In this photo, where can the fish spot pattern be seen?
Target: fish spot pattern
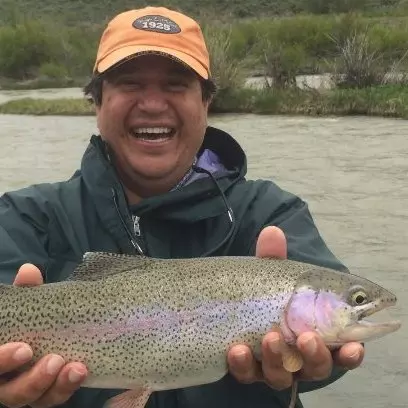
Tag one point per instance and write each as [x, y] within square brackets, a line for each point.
[161, 323]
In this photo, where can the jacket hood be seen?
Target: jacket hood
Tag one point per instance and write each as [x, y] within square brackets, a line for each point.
[199, 198]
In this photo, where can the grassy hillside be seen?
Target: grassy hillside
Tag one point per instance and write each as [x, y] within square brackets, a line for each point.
[96, 11]
[363, 44]
[75, 11]
[278, 47]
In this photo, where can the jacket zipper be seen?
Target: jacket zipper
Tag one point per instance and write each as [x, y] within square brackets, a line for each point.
[132, 237]
[136, 226]
[138, 233]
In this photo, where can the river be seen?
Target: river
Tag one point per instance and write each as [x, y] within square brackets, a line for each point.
[353, 173]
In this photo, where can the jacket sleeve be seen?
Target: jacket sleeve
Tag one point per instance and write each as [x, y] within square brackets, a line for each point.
[23, 236]
[304, 241]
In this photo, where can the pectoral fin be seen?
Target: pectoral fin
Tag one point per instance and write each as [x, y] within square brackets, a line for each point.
[130, 399]
[291, 358]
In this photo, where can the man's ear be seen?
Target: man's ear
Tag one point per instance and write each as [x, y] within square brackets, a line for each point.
[207, 102]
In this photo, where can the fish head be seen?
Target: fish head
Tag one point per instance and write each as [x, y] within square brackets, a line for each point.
[334, 304]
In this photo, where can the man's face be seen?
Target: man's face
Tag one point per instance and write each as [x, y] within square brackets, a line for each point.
[154, 118]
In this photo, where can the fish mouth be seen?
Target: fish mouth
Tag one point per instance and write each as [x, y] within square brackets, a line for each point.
[362, 330]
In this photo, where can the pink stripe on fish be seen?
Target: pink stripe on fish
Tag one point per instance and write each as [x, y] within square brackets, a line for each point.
[167, 322]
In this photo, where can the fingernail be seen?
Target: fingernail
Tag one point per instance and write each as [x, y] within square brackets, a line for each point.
[23, 354]
[310, 345]
[55, 363]
[241, 357]
[75, 376]
[274, 346]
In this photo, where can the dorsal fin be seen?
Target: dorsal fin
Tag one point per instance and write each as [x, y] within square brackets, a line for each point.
[99, 265]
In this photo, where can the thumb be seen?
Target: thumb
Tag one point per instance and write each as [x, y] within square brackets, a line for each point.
[271, 243]
[28, 275]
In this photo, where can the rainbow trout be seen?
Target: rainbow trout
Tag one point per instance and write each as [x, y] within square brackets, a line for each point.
[149, 324]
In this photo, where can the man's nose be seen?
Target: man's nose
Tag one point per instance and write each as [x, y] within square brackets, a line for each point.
[152, 101]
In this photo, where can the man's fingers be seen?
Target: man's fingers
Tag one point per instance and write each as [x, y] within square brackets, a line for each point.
[318, 360]
[50, 382]
[274, 373]
[271, 243]
[14, 355]
[67, 382]
[30, 385]
[243, 366]
[349, 356]
[28, 275]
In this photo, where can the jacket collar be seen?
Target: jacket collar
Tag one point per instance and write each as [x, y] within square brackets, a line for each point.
[197, 199]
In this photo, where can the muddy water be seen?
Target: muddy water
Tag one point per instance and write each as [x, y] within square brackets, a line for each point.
[352, 171]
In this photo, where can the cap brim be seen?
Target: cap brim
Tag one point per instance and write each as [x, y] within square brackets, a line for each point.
[126, 53]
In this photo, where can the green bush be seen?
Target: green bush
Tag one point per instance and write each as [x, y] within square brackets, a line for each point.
[53, 70]
[282, 63]
[359, 64]
[226, 70]
[393, 42]
[334, 6]
[24, 48]
[30, 48]
[311, 34]
[79, 46]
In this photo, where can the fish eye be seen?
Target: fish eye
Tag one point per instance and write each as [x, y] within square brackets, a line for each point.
[359, 297]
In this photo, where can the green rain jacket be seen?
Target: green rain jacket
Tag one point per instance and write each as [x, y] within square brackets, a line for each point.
[215, 211]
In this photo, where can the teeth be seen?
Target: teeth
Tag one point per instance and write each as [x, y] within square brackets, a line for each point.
[154, 130]
[152, 134]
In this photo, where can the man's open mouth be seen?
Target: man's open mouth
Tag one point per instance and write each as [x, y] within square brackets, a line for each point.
[153, 134]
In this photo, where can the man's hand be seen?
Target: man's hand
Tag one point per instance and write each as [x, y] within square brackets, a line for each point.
[50, 381]
[318, 359]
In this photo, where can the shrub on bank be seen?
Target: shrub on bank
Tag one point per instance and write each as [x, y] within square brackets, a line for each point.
[31, 48]
[65, 107]
[25, 47]
[387, 100]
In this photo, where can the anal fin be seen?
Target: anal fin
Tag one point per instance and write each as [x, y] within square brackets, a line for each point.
[130, 399]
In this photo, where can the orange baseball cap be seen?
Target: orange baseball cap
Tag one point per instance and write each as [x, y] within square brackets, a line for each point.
[153, 30]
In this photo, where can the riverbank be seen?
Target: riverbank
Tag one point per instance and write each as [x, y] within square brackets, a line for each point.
[386, 101]
[8, 84]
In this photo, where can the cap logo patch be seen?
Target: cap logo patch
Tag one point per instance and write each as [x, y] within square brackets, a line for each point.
[158, 24]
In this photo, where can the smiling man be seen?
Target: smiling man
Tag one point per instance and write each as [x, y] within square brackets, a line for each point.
[153, 117]
[158, 181]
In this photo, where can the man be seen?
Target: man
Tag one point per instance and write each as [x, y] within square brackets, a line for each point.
[158, 181]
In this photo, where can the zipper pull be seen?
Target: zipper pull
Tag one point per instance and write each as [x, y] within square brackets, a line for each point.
[136, 226]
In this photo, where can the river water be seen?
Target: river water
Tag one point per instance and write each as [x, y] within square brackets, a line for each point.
[352, 171]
